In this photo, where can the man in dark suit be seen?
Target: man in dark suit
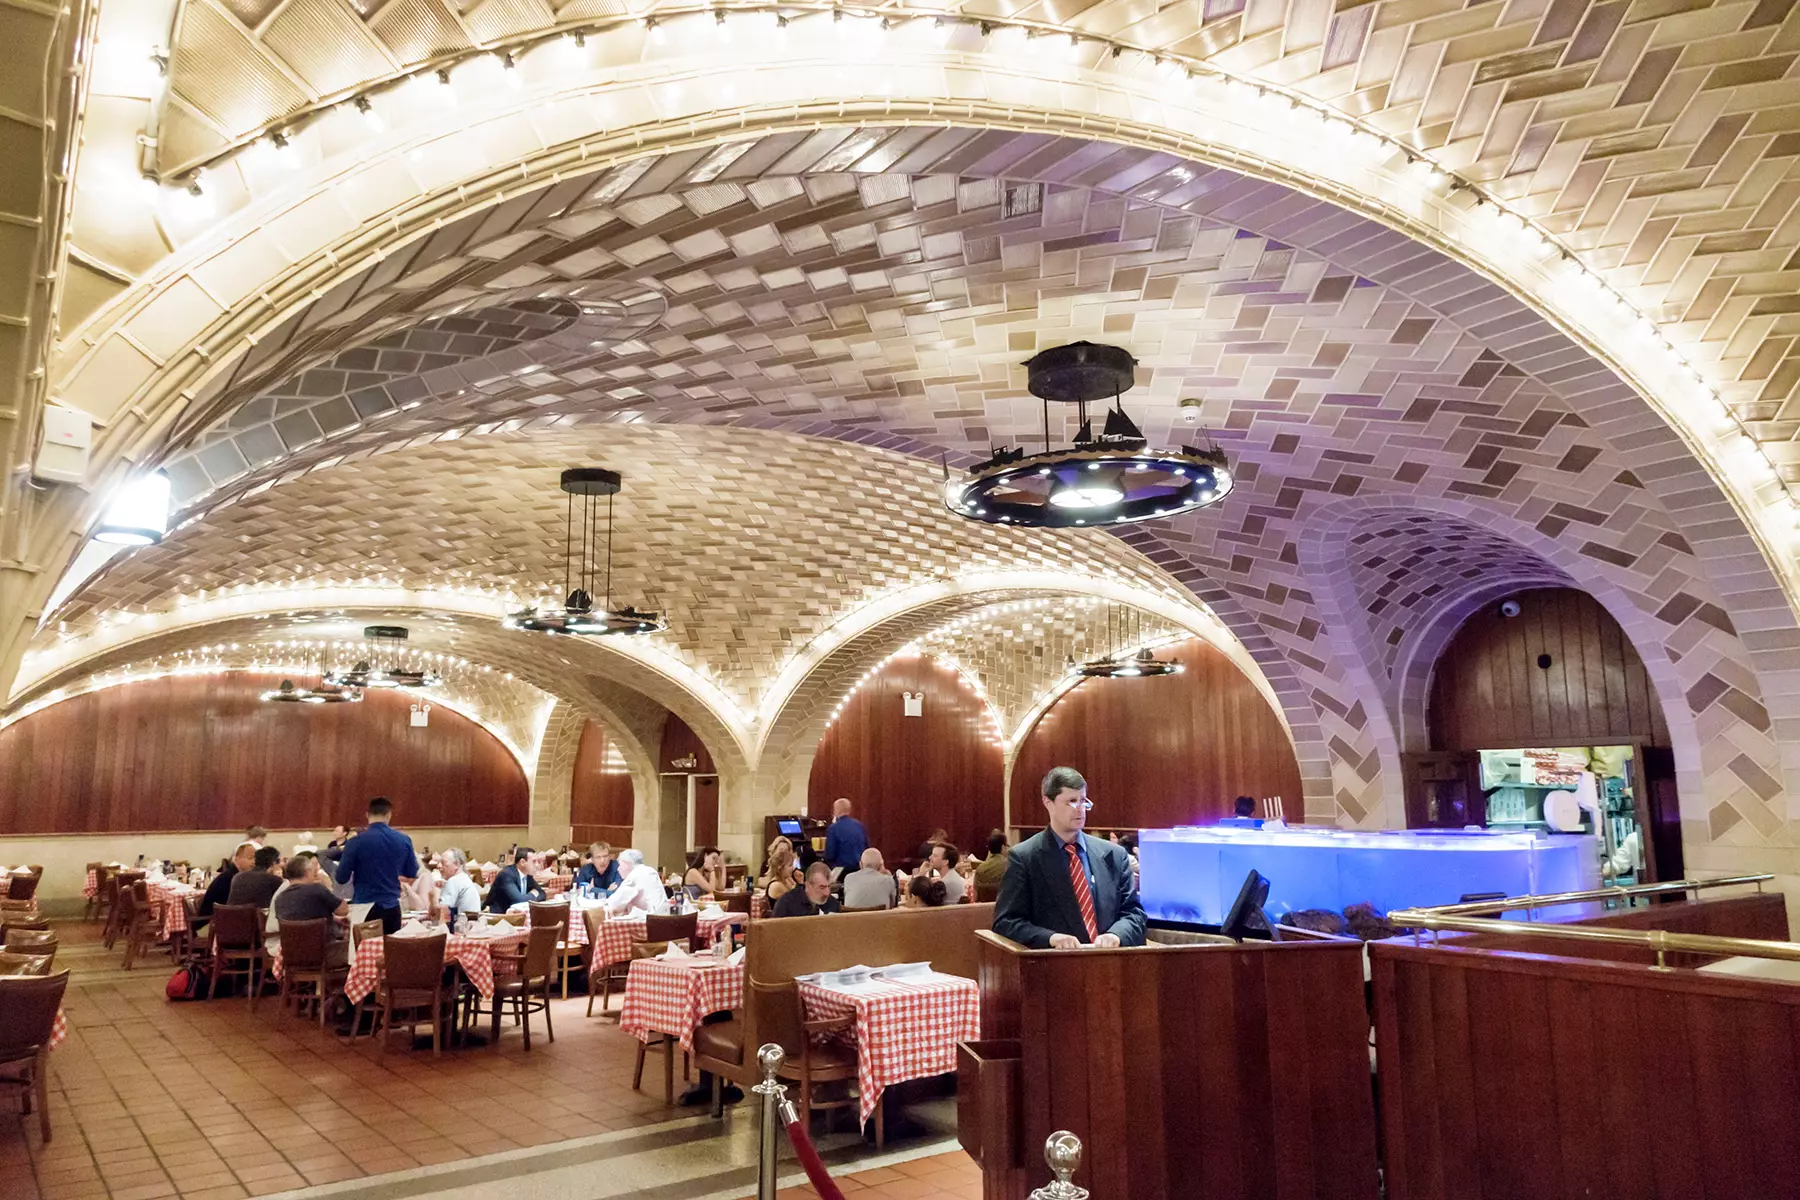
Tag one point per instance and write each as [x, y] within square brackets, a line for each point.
[1063, 888]
[514, 884]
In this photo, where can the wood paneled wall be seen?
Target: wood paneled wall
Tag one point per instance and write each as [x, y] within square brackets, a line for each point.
[1169, 750]
[680, 742]
[1489, 693]
[1525, 1077]
[204, 752]
[909, 775]
[602, 797]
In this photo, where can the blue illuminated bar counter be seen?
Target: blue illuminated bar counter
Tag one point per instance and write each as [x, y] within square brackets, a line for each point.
[1191, 874]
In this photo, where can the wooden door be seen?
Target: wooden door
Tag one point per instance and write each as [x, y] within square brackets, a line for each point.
[1443, 790]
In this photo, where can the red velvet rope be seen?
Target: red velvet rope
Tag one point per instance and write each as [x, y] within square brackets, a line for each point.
[809, 1158]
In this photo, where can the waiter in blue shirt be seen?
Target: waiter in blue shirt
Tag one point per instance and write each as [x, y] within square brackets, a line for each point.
[376, 862]
[846, 840]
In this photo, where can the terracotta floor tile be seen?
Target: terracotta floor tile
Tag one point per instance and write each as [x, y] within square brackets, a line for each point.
[262, 1171]
[150, 1191]
[231, 1191]
[263, 1187]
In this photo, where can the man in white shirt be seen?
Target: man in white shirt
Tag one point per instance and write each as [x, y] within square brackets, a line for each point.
[460, 894]
[641, 890]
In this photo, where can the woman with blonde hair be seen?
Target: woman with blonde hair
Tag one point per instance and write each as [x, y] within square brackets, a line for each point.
[780, 873]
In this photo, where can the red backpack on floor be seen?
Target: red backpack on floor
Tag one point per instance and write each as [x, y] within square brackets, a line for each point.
[190, 981]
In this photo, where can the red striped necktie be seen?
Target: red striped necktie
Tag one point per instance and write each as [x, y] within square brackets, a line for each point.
[1083, 896]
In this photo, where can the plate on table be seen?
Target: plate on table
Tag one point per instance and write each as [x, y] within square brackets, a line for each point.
[912, 970]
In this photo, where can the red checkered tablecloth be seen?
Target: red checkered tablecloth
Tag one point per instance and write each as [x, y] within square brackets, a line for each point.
[474, 955]
[166, 905]
[905, 1029]
[673, 995]
[617, 934]
[759, 906]
[557, 885]
[92, 886]
[60, 1030]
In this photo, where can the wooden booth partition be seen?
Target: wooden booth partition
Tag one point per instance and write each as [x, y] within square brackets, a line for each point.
[1517, 1076]
[1200, 1072]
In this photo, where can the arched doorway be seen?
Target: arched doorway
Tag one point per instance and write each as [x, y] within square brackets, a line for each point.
[1531, 690]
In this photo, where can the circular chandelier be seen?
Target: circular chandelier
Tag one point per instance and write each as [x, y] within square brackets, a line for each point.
[578, 615]
[384, 664]
[1123, 628]
[1110, 479]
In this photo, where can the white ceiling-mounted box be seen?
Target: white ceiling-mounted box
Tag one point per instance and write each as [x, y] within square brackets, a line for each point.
[62, 456]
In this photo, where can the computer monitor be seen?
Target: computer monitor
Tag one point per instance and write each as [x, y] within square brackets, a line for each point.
[789, 826]
[1246, 912]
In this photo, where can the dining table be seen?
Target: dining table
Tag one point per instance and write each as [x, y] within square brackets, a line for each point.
[905, 1028]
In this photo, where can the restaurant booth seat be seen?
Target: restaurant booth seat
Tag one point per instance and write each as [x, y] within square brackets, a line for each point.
[28, 1008]
[777, 950]
[21, 940]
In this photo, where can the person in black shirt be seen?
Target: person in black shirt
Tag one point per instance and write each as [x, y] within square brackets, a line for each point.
[814, 899]
[219, 890]
[514, 884]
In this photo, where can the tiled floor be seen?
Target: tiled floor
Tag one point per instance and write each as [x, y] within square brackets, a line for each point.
[209, 1102]
[940, 1177]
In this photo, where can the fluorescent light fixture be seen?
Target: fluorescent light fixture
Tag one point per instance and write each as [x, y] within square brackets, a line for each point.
[138, 514]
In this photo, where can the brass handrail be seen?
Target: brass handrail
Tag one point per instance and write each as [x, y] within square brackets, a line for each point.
[1530, 903]
[1659, 940]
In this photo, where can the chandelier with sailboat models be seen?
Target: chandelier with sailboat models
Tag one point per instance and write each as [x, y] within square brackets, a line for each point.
[383, 662]
[1125, 629]
[1109, 478]
[586, 567]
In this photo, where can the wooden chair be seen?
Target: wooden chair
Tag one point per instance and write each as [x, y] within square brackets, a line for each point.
[567, 952]
[24, 887]
[599, 978]
[29, 941]
[25, 964]
[518, 975]
[810, 1061]
[98, 871]
[303, 948]
[141, 928]
[411, 989]
[181, 941]
[117, 904]
[106, 891]
[28, 1008]
[237, 947]
[660, 931]
[737, 902]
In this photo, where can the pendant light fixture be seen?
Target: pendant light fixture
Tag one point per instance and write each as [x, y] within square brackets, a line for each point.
[584, 568]
[322, 692]
[1109, 479]
[138, 513]
[384, 663]
[1124, 628]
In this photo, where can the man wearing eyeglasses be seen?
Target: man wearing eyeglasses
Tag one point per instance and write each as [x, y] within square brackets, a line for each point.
[1063, 888]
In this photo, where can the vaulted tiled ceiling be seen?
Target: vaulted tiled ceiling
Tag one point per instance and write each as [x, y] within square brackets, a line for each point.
[1658, 139]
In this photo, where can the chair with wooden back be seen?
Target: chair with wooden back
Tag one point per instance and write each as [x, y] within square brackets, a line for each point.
[411, 989]
[181, 941]
[29, 941]
[105, 893]
[523, 979]
[25, 964]
[660, 931]
[141, 927]
[737, 902]
[24, 887]
[568, 952]
[810, 1060]
[600, 977]
[303, 950]
[92, 909]
[28, 1008]
[237, 947]
[119, 904]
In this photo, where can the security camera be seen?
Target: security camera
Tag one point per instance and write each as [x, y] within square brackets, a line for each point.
[1509, 608]
[1190, 410]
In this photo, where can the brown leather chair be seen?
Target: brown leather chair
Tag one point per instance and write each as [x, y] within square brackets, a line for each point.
[568, 952]
[411, 989]
[28, 1008]
[119, 904]
[523, 979]
[25, 964]
[304, 946]
[142, 930]
[237, 947]
[810, 1061]
[29, 941]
